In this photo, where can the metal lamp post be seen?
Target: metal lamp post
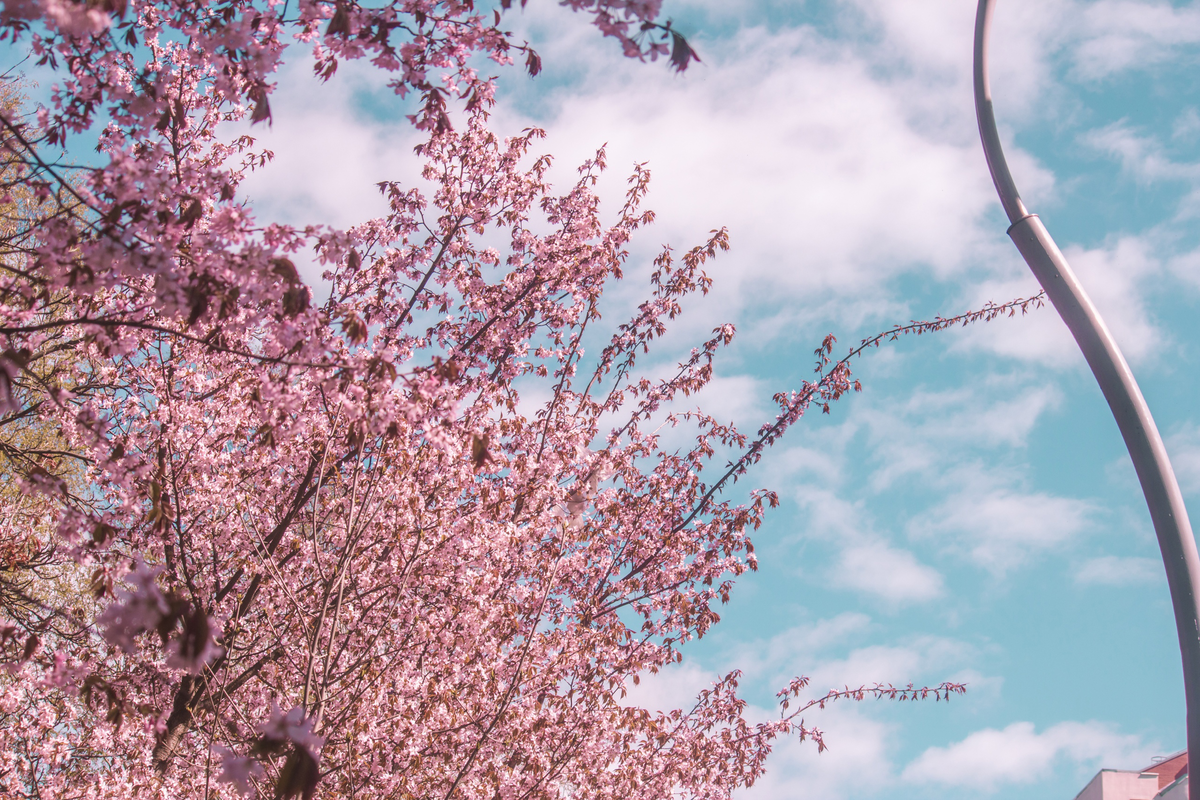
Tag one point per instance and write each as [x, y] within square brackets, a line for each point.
[1116, 382]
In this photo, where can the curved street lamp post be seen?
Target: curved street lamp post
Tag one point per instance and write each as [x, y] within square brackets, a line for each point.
[1116, 382]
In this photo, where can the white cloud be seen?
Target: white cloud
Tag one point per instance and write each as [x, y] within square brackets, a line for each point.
[867, 562]
[1184, 449]
[798, 648]
[736, 399]
[921, 660]
[1018, 754]
[824, 652]
[812, 463]
[930, 34]
[892, 574]
[732, 398]
[836, 183]
[1123, 34]
[983, 415]
[938, 36]
[999, 527]
[930, 433]
[1036, 337]
[1119, 571]
[933, 440]
[830, 184]
[982, 690]
[1115, 276]
[1187, 125]
[675, 686]
[859, 758]
[824, 633]
[1141, 156]
[1186, 266]
[857, 761]
[806, 650]
[329, 154]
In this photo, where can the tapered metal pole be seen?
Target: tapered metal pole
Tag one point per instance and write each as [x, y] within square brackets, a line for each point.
[1116, 382]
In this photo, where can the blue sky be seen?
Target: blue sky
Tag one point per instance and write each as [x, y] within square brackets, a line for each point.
[972, 514]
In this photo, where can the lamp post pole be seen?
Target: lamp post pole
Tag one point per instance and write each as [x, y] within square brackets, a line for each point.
[1116, 381]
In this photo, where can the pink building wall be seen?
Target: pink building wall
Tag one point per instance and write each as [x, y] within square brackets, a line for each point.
[1163, 780]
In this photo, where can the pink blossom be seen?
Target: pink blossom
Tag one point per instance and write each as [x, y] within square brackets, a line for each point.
[75, 18]
[292, 727]
[135, 610]
[240, 771]
[195, 647]
[410, 506]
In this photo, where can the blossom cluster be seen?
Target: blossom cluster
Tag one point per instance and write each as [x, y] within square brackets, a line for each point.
[407, 540]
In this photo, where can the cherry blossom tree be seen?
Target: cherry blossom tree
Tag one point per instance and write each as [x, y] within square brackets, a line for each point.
[406, 540]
